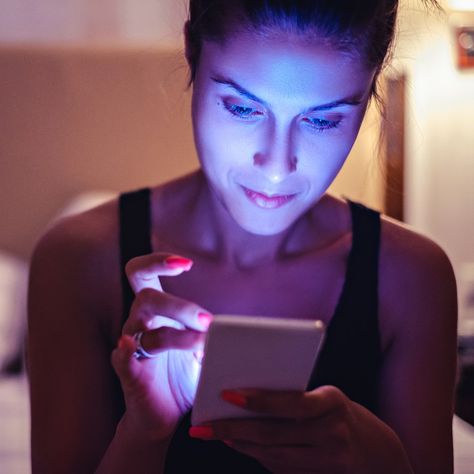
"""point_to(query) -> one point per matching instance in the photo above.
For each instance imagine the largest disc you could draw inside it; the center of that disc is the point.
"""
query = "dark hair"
(362, 27)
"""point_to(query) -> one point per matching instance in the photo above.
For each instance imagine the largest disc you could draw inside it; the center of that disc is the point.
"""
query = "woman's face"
(274, 122)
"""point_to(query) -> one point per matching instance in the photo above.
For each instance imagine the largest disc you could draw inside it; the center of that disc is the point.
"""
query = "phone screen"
(254, 352)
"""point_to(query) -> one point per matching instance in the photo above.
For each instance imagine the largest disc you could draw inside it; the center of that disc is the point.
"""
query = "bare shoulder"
(80, 254)
(418, 327)
(74, 321)
(82, 230)
(417, 284)
(404, 248)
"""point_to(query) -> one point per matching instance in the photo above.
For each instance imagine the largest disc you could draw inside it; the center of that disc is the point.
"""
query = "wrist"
(130, 428)
(135, 450)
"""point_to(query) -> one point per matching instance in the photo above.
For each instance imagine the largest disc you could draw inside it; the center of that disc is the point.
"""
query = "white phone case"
(253, 352)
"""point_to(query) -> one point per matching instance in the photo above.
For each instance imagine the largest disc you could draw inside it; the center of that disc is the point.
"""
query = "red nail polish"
(234, 397)
(175, 261)
(205, 319)
(202, 432)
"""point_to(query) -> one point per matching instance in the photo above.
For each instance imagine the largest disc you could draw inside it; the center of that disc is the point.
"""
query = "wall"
(80, 118)
(92, 97)
(79, 21)
(439, 198)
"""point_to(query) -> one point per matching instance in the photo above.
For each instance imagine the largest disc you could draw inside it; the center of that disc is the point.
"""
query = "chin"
(263, 227)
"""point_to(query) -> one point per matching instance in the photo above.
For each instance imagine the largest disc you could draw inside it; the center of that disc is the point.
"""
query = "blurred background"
(93, 101)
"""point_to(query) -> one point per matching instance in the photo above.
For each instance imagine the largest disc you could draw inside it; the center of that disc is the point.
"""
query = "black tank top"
(350, 356)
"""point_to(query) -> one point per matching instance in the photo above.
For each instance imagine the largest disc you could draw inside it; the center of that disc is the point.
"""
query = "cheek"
(325, 152)
(221, 147)
(211, 130)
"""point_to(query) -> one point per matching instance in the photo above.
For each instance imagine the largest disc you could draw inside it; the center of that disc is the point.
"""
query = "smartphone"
(253, 352)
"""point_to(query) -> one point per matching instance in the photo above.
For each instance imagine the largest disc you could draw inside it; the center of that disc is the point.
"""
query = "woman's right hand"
(159, 390)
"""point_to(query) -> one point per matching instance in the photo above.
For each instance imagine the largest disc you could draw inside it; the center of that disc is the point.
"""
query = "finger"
(288, 404)
(266, 432)
(124, 362)
(166, 338)
(283, 444)
(144, 271)
(278, 457)
(150, 303)
(281, 431)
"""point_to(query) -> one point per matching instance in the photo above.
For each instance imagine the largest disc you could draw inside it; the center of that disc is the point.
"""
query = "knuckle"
(117, 362)
(189, 308)
(337, 398)
(186, 310)
(334, 392)
(132, 266)
(147, 295)
(129, 267)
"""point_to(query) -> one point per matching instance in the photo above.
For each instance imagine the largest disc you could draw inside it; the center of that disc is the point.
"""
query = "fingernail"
(234, 397)
(175, 261)
(202, 432)
(205, 319)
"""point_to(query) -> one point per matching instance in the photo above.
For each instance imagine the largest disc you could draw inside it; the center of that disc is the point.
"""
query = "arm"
(130, 451)
(72, 302)
(324, 430)
(418, 313)
(74, 324)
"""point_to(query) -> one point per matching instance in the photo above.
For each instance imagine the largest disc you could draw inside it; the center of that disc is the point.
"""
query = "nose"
(276, 157)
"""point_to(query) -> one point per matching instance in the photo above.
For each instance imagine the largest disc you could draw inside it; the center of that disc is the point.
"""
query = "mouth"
(266, 201)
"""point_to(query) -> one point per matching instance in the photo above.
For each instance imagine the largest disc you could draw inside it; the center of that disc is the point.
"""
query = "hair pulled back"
(362, 27)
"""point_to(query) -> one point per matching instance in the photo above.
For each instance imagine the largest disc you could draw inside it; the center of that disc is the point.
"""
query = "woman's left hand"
(318, 431)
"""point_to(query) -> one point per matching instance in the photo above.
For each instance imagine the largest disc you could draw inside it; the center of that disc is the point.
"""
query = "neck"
(220, 235)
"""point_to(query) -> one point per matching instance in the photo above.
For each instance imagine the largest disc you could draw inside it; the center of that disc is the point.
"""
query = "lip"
(265, 201)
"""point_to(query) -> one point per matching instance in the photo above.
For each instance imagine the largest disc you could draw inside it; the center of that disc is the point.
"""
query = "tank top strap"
(350, 356)
(135, 236)
(363, 264)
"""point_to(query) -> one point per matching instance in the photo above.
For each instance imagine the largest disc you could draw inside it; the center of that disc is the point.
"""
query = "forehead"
(285, 66)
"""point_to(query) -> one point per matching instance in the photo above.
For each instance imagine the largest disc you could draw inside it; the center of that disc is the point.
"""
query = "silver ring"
(140, 352)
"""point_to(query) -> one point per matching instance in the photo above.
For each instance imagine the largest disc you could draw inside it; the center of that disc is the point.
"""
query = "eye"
(242, 112)
(320, 124)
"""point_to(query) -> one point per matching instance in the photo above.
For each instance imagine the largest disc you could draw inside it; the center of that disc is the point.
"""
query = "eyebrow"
(354, 100)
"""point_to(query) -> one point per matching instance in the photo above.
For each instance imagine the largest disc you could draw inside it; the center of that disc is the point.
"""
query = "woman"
(280, 89)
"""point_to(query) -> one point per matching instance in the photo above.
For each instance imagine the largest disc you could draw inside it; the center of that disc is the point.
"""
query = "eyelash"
(245, 113)
(234, 110)
(324, 124)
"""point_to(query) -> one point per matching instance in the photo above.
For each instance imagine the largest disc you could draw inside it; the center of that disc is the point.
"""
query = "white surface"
(439, 195)
(264, 343)
(13, 284)
(14, 426)
(158, 21)
(463, 435)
